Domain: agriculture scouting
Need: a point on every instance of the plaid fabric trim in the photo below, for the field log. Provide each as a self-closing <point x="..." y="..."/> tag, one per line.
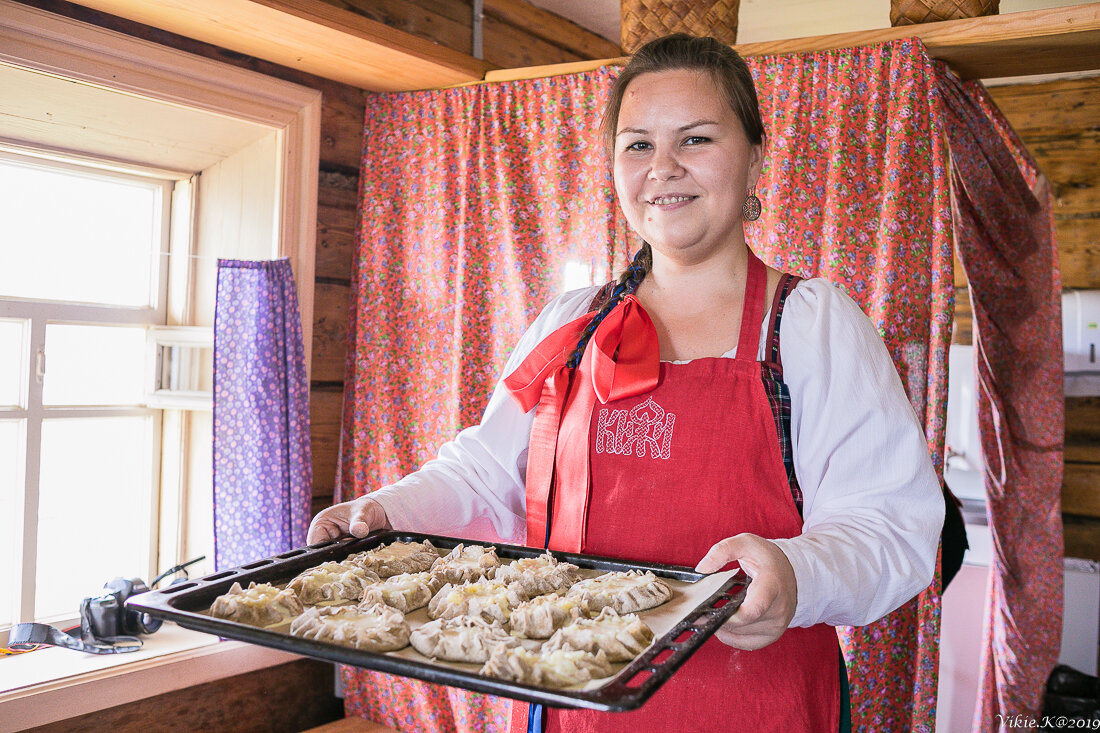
<point x="779" y="397"/>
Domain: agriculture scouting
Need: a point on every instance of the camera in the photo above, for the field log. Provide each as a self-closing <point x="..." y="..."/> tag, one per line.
<point x="105" y="617"/>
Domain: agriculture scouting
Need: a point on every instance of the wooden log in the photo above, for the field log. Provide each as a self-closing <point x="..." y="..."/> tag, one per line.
<point x="1081" y="489"/>
<point x="1062" y="108"/>
<point x="1079" y="250"/>
<point x="1072" y="164"/>
<point x="330" y="331"/>
<point x="426" y="22"/>
<point x="553" y="28"/>
<point x="242" y="704"/>
<point x="342" y="111"/>
<point x="1082" y="537"/>
<point x="325" y="408"/>
<point x="336" y="217"/>
<point x="507" y="46"/>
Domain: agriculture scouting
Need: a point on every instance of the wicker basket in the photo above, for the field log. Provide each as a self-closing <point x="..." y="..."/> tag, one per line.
<point x="644" y="20"/>
<point x="908" y="12"/>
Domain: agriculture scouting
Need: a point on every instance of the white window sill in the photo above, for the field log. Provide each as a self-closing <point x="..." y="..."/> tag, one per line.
<point x="52" y="684"/>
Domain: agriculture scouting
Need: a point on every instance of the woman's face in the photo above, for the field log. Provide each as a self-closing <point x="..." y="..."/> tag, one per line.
<point x="683" y="165"/>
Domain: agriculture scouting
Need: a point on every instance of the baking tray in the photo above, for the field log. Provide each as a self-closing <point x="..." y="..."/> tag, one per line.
<point x="187" y="603"/>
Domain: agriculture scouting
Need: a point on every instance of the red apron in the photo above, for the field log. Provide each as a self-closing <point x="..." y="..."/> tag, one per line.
<point x="672" y="470"/>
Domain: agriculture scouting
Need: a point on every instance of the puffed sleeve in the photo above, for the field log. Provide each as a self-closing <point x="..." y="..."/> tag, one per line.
<point x="873" y="508"/>
<point x="475" y="485"/>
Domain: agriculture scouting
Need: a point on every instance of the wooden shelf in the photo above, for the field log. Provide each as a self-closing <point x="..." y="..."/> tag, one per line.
<point x="1015" y="44"/>
<point x="337" y="44"/>
<point x="310" y="36"/>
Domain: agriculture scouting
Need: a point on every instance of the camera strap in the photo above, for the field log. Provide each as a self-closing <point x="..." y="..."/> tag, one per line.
<point x="29" y="635"/>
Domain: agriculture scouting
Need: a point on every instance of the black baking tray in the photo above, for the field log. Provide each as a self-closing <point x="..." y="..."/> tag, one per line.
<point x="185" y="604"/>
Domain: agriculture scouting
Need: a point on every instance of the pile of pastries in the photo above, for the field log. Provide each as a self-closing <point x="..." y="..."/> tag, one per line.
<point x="534" y="620"/>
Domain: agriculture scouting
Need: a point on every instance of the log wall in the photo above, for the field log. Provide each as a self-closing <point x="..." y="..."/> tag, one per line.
<point x="1059" y="122"/>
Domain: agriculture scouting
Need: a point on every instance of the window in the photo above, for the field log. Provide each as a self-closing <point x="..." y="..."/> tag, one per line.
<point x="215" y="161"/>
<point x="81" y="295"/>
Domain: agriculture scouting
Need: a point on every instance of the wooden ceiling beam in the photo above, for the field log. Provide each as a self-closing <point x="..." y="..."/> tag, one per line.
<point x="308" y="35"/>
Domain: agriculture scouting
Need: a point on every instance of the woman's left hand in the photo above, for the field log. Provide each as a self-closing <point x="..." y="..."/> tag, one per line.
<point x="772" y="595"/>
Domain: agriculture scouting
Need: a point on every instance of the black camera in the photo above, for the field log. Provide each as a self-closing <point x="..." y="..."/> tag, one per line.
<point x="105" y="617"/>
<point x="106" y="625"/>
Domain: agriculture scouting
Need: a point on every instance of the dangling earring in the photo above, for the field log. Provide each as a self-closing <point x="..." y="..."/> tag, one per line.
<point x="751" y="208"/>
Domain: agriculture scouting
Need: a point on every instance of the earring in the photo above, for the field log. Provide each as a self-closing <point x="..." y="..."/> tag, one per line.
<point x="751" y="208"/>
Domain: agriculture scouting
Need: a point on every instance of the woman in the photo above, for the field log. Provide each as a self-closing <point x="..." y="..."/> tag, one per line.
<point x="705" y="410"/>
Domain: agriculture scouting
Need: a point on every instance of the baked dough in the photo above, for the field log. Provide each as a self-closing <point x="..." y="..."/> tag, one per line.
<point x="557" y="668"/>
<point x="460" y="639"/>
<point x="261" y="605"/>
<point x="405" y="592"/>
<point x="331" y="583"/>
<point x="539" y="617"/>
<point x="376" y="628"/>
<point x="536" y="576"/>
<point x="466" y="563"/>
<point x="626" y="592"/>
<point x="621" y="638"/>
<point x="397" y="558"/>
<point x="489" y="599"/>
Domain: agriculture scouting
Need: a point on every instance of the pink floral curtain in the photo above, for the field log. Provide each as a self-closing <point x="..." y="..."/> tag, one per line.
<point x="476" y="204"/>
<point x="1003" y="230"/>
<point x="855" y="190"/>
<point x="474" y="200"/>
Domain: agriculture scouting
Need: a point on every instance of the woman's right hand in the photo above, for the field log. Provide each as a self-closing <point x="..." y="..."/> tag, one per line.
<point x="358" y="517"/>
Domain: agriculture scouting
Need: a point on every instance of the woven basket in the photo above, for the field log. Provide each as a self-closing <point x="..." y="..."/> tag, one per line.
<point x="908" y="12"/>
<point x="644" y="20"/>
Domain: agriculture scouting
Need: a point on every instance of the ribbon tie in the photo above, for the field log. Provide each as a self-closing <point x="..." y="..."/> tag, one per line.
<point x="622" y="360"/>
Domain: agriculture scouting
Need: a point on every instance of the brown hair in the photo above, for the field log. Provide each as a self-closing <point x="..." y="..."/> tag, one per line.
<point x="680" y="51"/>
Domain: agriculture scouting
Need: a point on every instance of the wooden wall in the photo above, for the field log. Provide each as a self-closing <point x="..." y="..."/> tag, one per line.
<point x="243" y="704"/>
<point x="514" y="33"/>
<point x="1059" y="122"/>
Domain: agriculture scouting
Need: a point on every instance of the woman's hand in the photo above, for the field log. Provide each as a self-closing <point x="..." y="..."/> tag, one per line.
<point x="358" y="517"/>
<point x="773" y="593"/>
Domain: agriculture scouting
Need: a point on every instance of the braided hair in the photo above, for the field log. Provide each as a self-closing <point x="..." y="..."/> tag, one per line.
<point x="734" y="82"/>
<point x="627" y="284"/>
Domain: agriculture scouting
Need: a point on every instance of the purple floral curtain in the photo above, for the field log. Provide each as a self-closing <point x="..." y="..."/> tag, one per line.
<point x="1001" y="210"/>
<point x="262" y="471"/>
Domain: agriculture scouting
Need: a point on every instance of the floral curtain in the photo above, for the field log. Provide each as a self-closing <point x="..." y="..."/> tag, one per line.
<point x="475" y="199"/>
<point x="263" y="477"/>
<point x="856" y="179"/>
<point x="1002" y="217"/>
<point x="477" y="205"/>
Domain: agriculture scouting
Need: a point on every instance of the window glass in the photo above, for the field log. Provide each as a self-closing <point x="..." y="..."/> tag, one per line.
<point x="94" y="365"/>
<point x="94" y="508"/>
<point x="76" y="237"/>
<point x="11" y="492"/>
<point x="12" y="362"/>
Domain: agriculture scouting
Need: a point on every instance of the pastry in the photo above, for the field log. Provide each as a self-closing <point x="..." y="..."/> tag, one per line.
<point x="558" y="668"/>
<point x="332" y="583"/>
<point x="488" y="599"/>
<point x="626" y="592"/>
<point x="466" y="563"/>
<point x="397" y="557"/>
<point x="621" y="638"/>
<point x="539" y="617"/>
<point x="460" y="639"/>
<point x="405" y="592"/>
<point x="261" y="605"/>
<point x="536" y="576"/>
<point x="376" y="628"/>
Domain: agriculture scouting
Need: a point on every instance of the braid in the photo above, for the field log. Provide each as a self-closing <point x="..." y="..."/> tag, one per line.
<point x="628" y="283"/>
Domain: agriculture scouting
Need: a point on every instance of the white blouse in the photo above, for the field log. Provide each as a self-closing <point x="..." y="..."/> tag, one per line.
<point x="872" y="505"/>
